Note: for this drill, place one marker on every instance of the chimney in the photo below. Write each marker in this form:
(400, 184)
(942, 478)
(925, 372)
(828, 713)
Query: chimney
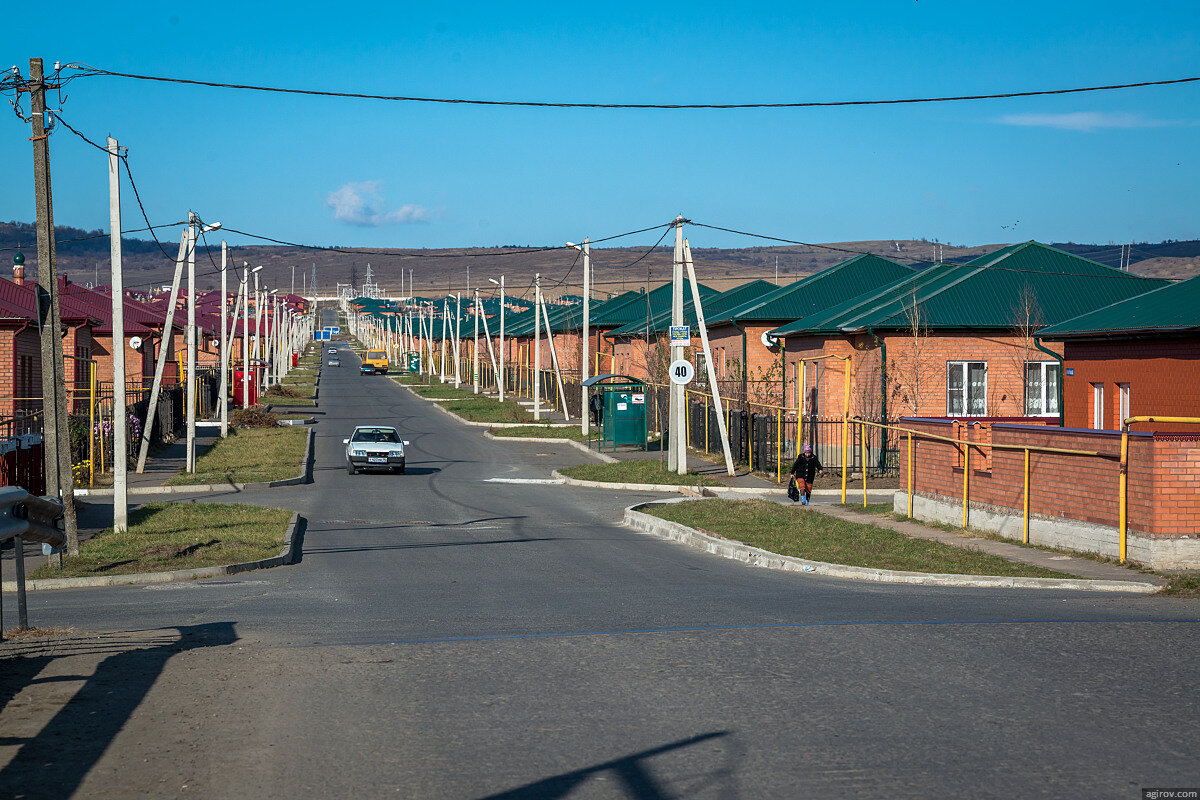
(19, 268)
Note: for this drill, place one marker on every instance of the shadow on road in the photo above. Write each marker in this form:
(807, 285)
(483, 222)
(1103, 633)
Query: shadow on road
(634, 776)
(54, 761)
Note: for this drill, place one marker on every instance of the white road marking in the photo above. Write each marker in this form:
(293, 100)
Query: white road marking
(523, 480)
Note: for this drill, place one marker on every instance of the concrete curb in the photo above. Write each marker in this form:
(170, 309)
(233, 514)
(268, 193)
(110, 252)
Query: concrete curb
(286, 556)
(727, 548)
(548, 440)
(305, 476)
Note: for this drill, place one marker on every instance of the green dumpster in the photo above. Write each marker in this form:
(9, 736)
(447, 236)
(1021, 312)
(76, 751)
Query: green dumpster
(623, 404)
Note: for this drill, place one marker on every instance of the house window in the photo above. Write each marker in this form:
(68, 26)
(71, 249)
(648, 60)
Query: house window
(1041, 388)
(1098, 406)
(1123, 403)
(966, 388)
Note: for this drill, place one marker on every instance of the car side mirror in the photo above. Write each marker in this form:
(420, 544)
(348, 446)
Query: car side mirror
(406, 443)
(345, 441)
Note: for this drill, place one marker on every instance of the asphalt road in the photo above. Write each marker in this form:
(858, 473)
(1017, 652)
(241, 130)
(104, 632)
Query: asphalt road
(449, 636)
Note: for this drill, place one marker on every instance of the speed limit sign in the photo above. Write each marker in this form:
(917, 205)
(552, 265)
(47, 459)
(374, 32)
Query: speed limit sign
(682, 372)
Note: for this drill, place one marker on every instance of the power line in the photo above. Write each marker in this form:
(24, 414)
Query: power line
(85, 70)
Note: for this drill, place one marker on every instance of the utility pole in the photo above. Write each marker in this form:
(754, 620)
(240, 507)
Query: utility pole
(537, 349)
(585, 417)
(57, 444)
(293, 279)
(501, 370)
(120, 415)
(677, 454)
(224, 391)
(190, 393)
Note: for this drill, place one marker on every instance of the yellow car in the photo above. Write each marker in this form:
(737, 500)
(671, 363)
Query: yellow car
(374, 361)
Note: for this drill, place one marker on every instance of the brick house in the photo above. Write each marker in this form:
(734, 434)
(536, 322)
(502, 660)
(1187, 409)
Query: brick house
(641, 347)
(100, 306)
(20, 353)
(1137, 357)
(753, 369)
(955, 340)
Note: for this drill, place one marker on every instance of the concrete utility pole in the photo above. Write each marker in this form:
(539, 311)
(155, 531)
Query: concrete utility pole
(120, 415)
(475, 348)
(502, 377)
(224, 390)
(246, 334)
(190, 387)
(164, 347)
(677, 452)
(537, 349)
(711, 368)
(60, 481)
(585, 418)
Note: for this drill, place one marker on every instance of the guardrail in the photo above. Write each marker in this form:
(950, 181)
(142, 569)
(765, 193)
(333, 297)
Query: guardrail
(25, 516)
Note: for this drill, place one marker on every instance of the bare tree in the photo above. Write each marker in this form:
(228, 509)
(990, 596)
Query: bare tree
(1026, 316)
(912, 374)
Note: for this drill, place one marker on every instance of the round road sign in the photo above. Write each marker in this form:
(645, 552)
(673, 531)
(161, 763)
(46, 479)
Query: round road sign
(682, 372)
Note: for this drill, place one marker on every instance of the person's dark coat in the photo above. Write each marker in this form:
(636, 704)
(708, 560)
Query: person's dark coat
(806, 468)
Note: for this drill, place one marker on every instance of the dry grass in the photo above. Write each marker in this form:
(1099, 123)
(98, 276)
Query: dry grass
(36, 633)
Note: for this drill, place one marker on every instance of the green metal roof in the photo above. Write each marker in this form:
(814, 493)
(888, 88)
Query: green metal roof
(986, 293)
(714, 306)
(820, 290)
(1168, 310)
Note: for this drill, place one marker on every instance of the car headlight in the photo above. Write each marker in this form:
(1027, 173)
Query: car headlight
(360, 452)
(396, 453)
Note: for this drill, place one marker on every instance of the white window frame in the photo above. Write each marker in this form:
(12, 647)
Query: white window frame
(1122, 403)
(1098, 406)
(1045, 367)
(966, 387)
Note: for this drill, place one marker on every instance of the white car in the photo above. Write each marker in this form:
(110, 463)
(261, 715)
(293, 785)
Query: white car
(374, 447)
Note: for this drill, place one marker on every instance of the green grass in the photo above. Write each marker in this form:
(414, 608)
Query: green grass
(641, 470)
(485, 409)
(541, 432)
(803, 533)
(168, 536)
(249, 455)
(1182, 586)
(440, 389)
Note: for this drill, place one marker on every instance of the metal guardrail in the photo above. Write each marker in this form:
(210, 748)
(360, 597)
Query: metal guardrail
(29, 517)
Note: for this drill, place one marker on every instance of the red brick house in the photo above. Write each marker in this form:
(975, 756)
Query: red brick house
(1138, 357)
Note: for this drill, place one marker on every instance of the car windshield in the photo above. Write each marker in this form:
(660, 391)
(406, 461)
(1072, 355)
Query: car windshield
(384, 435)
(375, 354)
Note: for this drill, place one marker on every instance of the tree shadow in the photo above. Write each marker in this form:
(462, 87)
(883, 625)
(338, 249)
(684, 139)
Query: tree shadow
(633, 774)
(54, 763)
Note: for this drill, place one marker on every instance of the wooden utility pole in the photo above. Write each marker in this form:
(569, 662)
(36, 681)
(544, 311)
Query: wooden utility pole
(120, 415)
(57, 442)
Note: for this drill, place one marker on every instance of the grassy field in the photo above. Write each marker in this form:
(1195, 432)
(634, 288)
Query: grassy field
(643, 470)
(803, 533)
(168, 536)
(248, 456)
(485, 409)
(440, 389)
(541, 432)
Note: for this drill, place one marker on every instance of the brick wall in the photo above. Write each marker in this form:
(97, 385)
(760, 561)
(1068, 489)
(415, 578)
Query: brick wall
(1163, 474)
(1163, 377)
(917, 371)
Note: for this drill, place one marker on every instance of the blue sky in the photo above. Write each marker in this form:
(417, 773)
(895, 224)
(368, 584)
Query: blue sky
(1099, 167)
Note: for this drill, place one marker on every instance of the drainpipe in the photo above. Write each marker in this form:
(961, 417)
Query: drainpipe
(1062, 376)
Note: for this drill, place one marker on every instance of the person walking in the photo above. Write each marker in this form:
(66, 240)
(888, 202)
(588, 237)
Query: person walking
(596, 405)
(805, 471)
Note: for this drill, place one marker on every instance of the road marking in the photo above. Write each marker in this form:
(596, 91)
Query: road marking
(524, 480)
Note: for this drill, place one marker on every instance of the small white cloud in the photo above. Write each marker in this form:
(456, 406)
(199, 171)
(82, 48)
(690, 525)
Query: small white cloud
(361, 203)
(1081, 121)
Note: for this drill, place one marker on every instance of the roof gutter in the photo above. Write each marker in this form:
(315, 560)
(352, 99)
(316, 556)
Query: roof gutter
(1062, 376)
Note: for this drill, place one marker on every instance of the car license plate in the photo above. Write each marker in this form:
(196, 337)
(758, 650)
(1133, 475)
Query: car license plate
(377, 460)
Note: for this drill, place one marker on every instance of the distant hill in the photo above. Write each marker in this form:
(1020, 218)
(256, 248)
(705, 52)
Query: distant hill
(442, 270)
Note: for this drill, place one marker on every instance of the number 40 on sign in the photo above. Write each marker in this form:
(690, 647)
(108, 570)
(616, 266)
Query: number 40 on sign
(682, 372)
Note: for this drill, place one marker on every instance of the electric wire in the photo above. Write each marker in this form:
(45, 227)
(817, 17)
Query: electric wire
(85, 70)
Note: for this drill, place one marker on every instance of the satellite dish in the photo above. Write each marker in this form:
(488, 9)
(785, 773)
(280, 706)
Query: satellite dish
(135, 342)
(769, 341)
